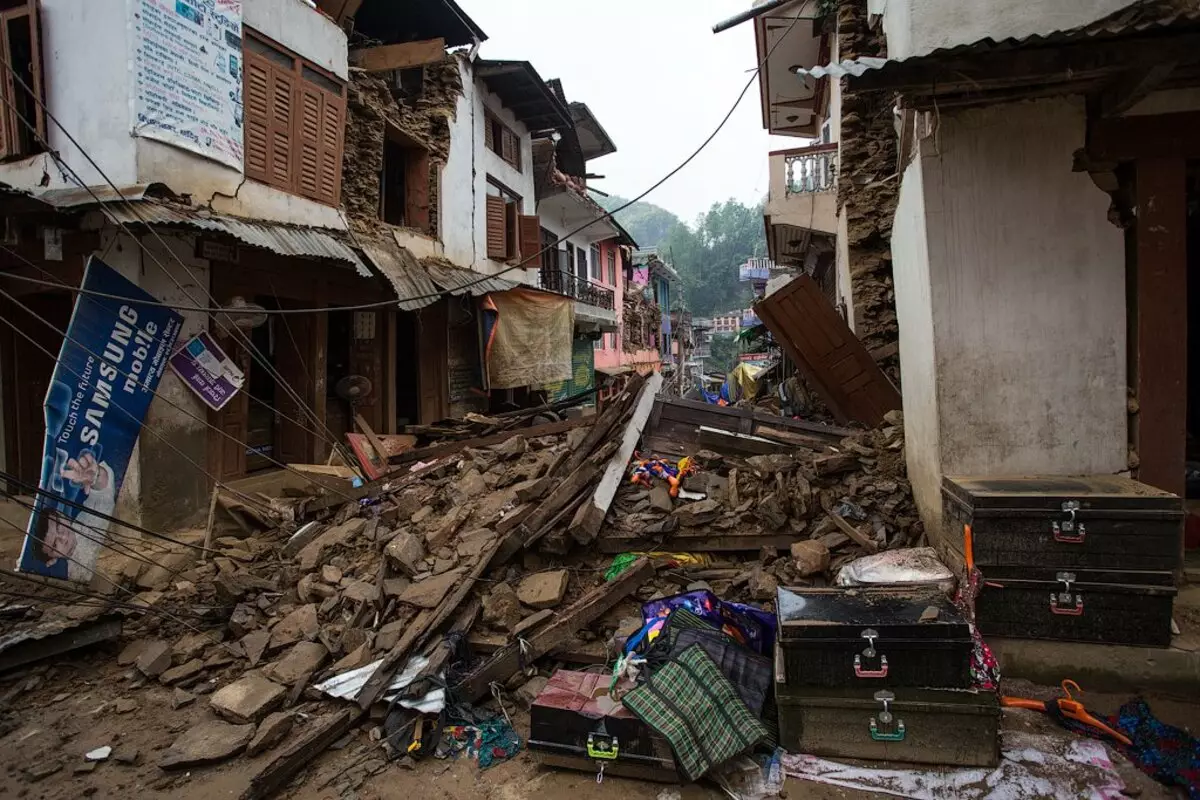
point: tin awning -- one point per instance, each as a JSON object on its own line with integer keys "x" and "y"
{"x": 458, "y": 281}
{"x": 404, "y": 273}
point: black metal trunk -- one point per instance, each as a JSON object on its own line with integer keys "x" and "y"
{"x": 920, "y": 726}
{"x": 1089, "y": 522}
{"x": 871, "y": 638}
{"x": 1113, "y": 607}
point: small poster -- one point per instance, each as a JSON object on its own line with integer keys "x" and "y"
{"x": 212, "y": 375}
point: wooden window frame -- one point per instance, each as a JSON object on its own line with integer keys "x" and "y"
{"x": 302, "y": 153}
{"x": 511, "y": 236}
{"x": 501, "y": 140}
{"x": 612, "y": 267}
{"x": 12, "y": 129}
{"x": 413, "y": 200}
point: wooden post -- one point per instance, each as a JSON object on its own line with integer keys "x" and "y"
{"x": 1161, "y": 329}
{"x": 208, "y": 528}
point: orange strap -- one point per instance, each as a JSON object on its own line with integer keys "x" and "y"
{"x": 968, "y": 547}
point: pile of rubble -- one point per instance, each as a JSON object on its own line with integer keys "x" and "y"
{"x": 481, "y": 542}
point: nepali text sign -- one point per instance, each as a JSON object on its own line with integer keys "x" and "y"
{"x": 187, "y": 75}
{"x": 212, "y": 375}
{"x": 107, "y": 371}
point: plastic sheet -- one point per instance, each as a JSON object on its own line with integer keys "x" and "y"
{"x": 913, "y": 565}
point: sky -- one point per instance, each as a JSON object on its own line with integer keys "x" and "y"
{"x": 659, "y": 81}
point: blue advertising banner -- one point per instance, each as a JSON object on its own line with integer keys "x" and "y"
{"x": 107, "y": 372}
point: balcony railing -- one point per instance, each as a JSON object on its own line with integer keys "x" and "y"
{"x": 585, "y": 291}
{"x": 813, "y": 170}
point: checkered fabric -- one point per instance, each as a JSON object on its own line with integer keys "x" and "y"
{"x": 695, "y": 708}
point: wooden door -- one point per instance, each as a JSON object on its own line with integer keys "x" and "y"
{"x": 366, "y": 346}
{"x": 828, "y": 353}
{"x": 227, "y": 454}
{"x": 294, "y": 352}
{"x": 433, "y": 377}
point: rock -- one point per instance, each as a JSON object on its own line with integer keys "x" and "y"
{"x": 533, "y": 621}
{"x": 834, "y": 540}
{"x": 512, "y": 448}
{"x": 270, "y": 733}
{"x": 930, "y": 614}
{"x": 99, "y": 754}
{"x": 303, "y": 659}
{"x": 835, "y": 463}
{"x": 130, "y": 652}
{"x": 429, "y": 592}
{"x": 810, "y": 556}
{"x": 248, "y": 699}
{"x": 361, "y": 592}
{"x": 127, "y": 755}
{"x": 770, "y": 512}
{"x": 442, "y": 565}
{"x": 531, "y": 689}
{"x": 155, "y": 659}
{"x": 331, "y": 574}
{"x": 660, "y": 498}
{"x": 192, "y": 645}
{"x": 443, "y": 533}
{"x": 207, "y": 743}
{"x": 254, "y": 644}
{"x": 357, "y": 658}
{"x": 181, "y": 673}
{"x": 766, "y": 465}
{"x": 423, "y": 513}
{"x": 299, "y": 624}
{"x": 662, "y": 526}
{"x": 473, "y": 543}
{"x": 544, "y": 589}
{"x": 84, "y": 768}
{"x": 387, "y": 636}
{"x": 407, "y": 550}
{"x": 501, "y": 608}
{"x": 313, "y": 553}
{"x": 763, "y": 585}
{"x": 311, "y": 590}
{"x": 700, "y": 513}
{"x": 243, "y": 619}
{"x": 162, "y": 574}
{"x": 40, "y": 770}
{"x": 394, "y": 587}
{"x": 181, "y": 698}
{"x": 470, "y": 486}
{"x": 126, "y": 705}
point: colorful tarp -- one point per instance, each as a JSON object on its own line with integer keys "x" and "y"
{"x": 528, "y": 338}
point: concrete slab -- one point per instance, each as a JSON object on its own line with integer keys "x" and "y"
{"x": 1099, "y": 667}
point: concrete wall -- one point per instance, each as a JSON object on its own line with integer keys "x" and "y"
{"x": 1006, "y": 264}
{"x": 814, "y": 211}
{"x": 917, "y": 27}
{"x": 303, "y": 30}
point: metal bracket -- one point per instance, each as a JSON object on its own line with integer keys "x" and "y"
{"x": 885, "y": 727}
{"x": 1069, "y": 531}
{"x": 1066, "y": 602}
{"x": 870, "y": 634}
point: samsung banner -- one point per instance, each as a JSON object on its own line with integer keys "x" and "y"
{"x": 187, "y": 75}
{"x": 107, "y": 372}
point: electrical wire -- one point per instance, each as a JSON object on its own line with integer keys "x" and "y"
{"x": 519, "y": 265}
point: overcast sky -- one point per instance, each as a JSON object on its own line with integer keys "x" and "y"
{"x": 659, "y": 81}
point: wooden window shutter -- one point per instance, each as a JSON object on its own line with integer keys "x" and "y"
{"x": 510, "y": 147}
{"x": 489, "y": 139}
{"x": 318, "y": 133}
{"x": 416, "y": 187}
{"x": 332, "y": 132}
{"x": 531, "y": 241}
{"x": 512, "y": 213}
{"x": 269, "y": 123}
{"x": 497, "y": 242}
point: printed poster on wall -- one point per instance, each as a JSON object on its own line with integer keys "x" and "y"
{"x": 107, "y": 372}
{"x": 187, "y": 75}
{"x": 204, "y": 367}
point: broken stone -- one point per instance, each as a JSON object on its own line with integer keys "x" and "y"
{"x": 930, "y": 614}
{"x": 443, "y": 533}
{"x": 181, "y": 673}
{"x": 770, "y": 512}
{"x": 207, "y": 743}
{"x": 299, "y": 624}
{"x": 501, "y": 608}
{"x": 470, "y": 485}
{"x": 162, "y": 574}
{"x": 394, "y": 587}
{"x": 248, "y": 699}
{"x": 531, "y": 689}
{"x": 243, "y": 620}
{"x": 442, "y": 565}
{"x": 84, "y": 768}
{"x": 533, "y": 621}
{"x": 270, "y": 733}
{"x": 303, "y": 659}
{"x": 194, "y": 644}
{"x": 387, "y": 636}
{"x": 313, "y": 553}
{"x": 358, "y": 658}
{"x": 429, "y": 592}
{"x": 331, "y": 574}
{"x": 40, "y": 770}
{"x": 473, "y": 543}
{"x": 126, "y": 705}
{"x": 836, "y": 463}
{"x": 407, "y": 550}
{"x": 544, "y": 589}
{"x": 155, "y": 659}
{"x": 699, "y": 513}
{"x": 181, "y": 698}
{"x": 660, "y": 498}
{"x": 127, "y": 755}
{"x": 361, "y": 591}
{"x": 763, "y": 585}
{"x": 255, "y": 644}
{"x": 810, "y": 557}
{"x": 661, "y": 527}
{"x": 422, "y": 514}
{"x": 515, "y": 447}
{"x": 130, "y": 653}
{"x": 99, "y": 754}
{"x": 766, "y": 465}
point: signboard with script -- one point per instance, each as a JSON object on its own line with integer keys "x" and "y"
{"x": 107, "y": 371}
{"x": 204, "y": 367}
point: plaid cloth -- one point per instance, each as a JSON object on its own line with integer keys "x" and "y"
{"x": 695, "y": 708}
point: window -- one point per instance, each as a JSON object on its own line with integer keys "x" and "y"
{"x": 501, "y": 140}
{"x": 612, "y": 267}
{"x": 511, "y": 235}
{"x": 404, "y": 184}
{"x": 295, "y": 119}
{"x": 594, "y": 272}
{"x": 598, "y": 342}
{"x": 20, "y": 110}
{"x": 551, "y": 255}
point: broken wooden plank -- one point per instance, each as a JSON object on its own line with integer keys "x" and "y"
{"x": 590, "y": 518}
{"x": 835, "y": 463}
{"x": 608, "y": 419}
{"x": 297, "y": 755}
{"x": 399, "y": 56}
{"x": 687, "y": 541}
{"x": 697, "y": 412}
{"x": 538, "y": 523}
{"x": 347, "y": 473}
{"x": 854, "y": 533}
{"x": 450, "y": 448}
{"x": 444, "y": 649}
{"x": 739, "y": 443}
{"x": 579, "y": 614}
{"x": 574, "y": 652}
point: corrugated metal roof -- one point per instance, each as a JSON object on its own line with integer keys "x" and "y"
{"x": 286, "y": 240}
{"x": 1147, "y": 16}
{"x": 76, "y": 196}
{"x": 404, "y": 272}
{"x": 464, "y": 281}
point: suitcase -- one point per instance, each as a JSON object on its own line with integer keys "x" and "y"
{"x": 1089, "y": 522}
{"x": 574, "y": 724}
{"x": 917, "y": 726}
{"x": 1112, "y": 607}
{"x": 872, "y": 637}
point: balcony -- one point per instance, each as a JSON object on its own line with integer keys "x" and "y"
{"x": 811, "y": 171}
{"x": 583, "y": 290}
{"x": 802, "y": 202}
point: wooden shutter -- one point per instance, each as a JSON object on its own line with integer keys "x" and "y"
{"x": 489, "y": 138}
{"x": 269, "y": 123}
{"x": 416, "y": 190}
{"x": 497, "y": 242}
{"x": 512, "y": 213}
{"x": 530, "y": 232}
{"x": 12, "y": 129}
{"x": 510, "y": 147}
{"x": 318, "y": 133}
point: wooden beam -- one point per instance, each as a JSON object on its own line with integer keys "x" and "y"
{"x": 399, "y": 56}
{"x": 583, "y": 612}
{"x": 590, "y": 517}
{"x": 1167, "y": 136}
{"x": 686, "y": 541}
{"x": 297, "y": 755}
{"x": 1161, "y": 328}
{"x": 450, "y": 448}
{"x": 1131, "y": 87}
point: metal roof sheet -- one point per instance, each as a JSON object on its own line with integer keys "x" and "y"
{"x": 286, "y": 240}
{"x": 404, "y": 272}
{"x": 464, "y": 281}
